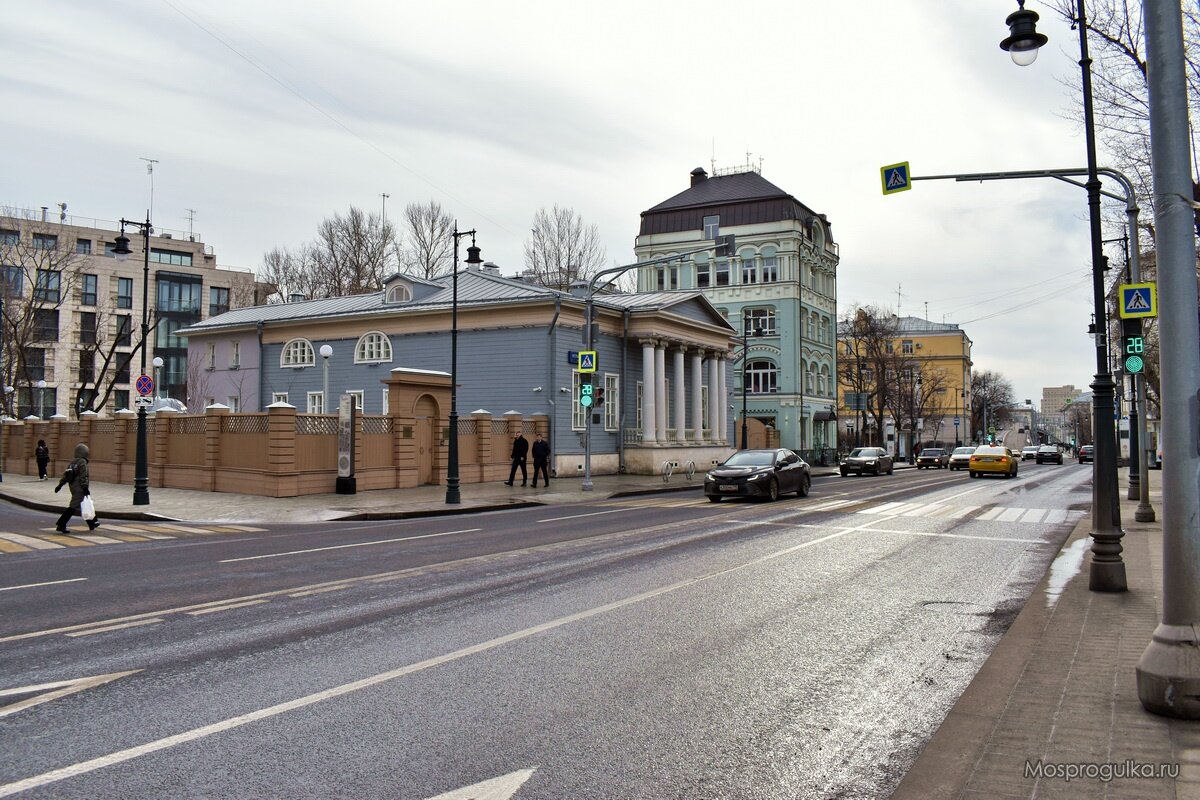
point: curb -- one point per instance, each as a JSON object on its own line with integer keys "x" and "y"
{"x": 145, "y": 516}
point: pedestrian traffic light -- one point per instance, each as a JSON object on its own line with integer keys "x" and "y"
{"x": 585, "y": 390}
{"x": 598, "y": 397}
{"x": 1133, "y": 346}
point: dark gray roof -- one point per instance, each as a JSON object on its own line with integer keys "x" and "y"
{"x": 474, "y": 288}
{"x": 737, "y": 188}
{"x": 911, "y": 325}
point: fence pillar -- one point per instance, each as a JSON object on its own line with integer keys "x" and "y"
{"x": 484, "y": 444}
{"x": 124, "y": 442}
{"x": 404, "y": 451}
{"x": 282, "y": 479}
{"x": 212, "y": 444}
{"x": 160, "y": 445}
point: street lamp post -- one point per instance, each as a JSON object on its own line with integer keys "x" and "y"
{"x": 1107, "y": 568}
{"x": 326, "y": 352}
{"x": 453, "y": 496}
{"x": 41, "y": 409}
{"x": 158, "y": 389}
{"x": 141, "y": 471}
{"x": 746, "y": 376}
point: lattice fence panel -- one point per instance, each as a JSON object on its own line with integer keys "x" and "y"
{"x": 376, "y": 425}
{"x": 245, "y": 424}
{"x": 317, "y": 425}
{"x": 187, "y": 425}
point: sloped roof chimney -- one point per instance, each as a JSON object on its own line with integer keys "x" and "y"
{"x": 698, "y": 175}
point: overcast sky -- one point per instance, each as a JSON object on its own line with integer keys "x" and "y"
{"x": 267, "y": 116}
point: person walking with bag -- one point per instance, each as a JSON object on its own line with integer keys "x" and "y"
{"x": 42, "y": 454}
{"x": 76, "y": 477}
{"x": 520, "y": 450}
{"x": 541, "y": 460}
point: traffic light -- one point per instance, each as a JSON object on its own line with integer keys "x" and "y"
{"x": 1133, "y": 346}
{"x": 726, "y": 246}
{"x": 598, "y": 398}
{"x": 585, "y": 390}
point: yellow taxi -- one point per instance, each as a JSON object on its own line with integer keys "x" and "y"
{"x": 993, "y": 460}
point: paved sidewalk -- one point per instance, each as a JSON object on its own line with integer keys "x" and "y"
{"x": 1060, "y": 688}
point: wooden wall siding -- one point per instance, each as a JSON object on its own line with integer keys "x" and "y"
{"x": 278, "y": 453}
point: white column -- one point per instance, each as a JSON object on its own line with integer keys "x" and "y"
{"x": 679, "y": 387}
{"x": 715, "y": 401}
{"x": 660, "y": 390}
{"x": 697, "y": 401}
{"x": 648, "y": 411}
{"x": 723, "y": 371}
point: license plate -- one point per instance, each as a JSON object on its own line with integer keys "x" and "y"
{"x": 726, "y": 487}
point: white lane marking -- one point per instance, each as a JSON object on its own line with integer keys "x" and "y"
{"x": 594, "y": 514}
{"x": 322, "y": 590}
{"x": 181, "y": 528}
{"x": 46, "y": 583}
{"x": 1055, "y": 516}
{"x": 243, "y": 528}
{"x": 96, "y": 538}
{"x": 501, "y": 788}
{"x": 883, "y": 509}
{"x": 136, "y": 531}
{"x": 1010, "y": 515}
{"x": 960, "y": 536}
{"x": 960, "y": 512}
{"x": 122, "y": 626}
{"x": 989, "y": 515}
{"x": 200, "y": 611}
{"x": 1033, "y": 515}
{"x": 53, "y": 691}
{"x": 128, "y": 754}
{"x": 344, "y": 546}
{"x": 29, "y": 541}
{"x": 832, "y": 504}
{"x": 922, "y": 511}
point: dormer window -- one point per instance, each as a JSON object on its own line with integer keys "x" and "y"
{"x": 400, "y": 293}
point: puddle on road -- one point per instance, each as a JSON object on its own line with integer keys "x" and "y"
{"x": 1065, "y": 567}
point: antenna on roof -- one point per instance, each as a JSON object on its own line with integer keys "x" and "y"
{"x": 150, "y": 162}
{"x": 712, "y": 162}
{"x": 191, "y": 218}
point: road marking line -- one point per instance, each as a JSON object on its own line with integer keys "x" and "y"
{"x": 960, "y": 512}
{"x": 1011, "y": 515}
{"x": 55, "y": 690}
{"x": 1033, "y": 515}
{"x": 989, "y": 515}
{"x": 12, "y": 547}
{"x": 595, "y": 513}
{"x": 215, "y": 609}
{"x": 922, "y": 511}
{"x": 244, "y": 528}
{"x": 45, "y": 583}
{"x": 69, "y": 541}
{"x": 1055, "y": 516}
{"x": 202, "y": 732}
{"x": 122, "y": 626}
{"x": 29, "y": 541}
{"x": 181, "y": 528}
{"x": 344, "y": 546}
{"x": 137, "y": 531}
{"x": 883, "y": 509}
{"x": 322, "y": 590}
{"x": 96, "y": 538}
{"x": 128, "y": 537}
{"x": 960, "y": 536}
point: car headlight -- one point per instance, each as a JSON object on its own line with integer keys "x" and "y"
{"x": 869, "y": 463}
{"x": 757, "y": 477}
{"x": 708, "y": 476}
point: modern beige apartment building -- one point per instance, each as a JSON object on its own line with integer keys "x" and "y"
{"x": 1055, "y": 399}
{"x": 72, "y": 310}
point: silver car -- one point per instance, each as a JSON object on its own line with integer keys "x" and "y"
{"x": 961, "y": 457}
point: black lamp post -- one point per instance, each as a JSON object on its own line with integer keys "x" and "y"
{"x": 746, "y": 378}
{"x": 1107, "y": 569}
{"x": 453, "y": 497}
{"x": 141, "y": 471}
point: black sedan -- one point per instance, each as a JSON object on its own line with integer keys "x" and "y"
{"x": 758, "y": 473}
{"x": 1087, "y": 453}
{"x": 933, "y": 458}
{"x": 1049, "y": 454}
{"x": 866, "y": 460}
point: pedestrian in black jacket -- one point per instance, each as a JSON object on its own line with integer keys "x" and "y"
{"x": 42, "y": 454}
{"x": 541, "y": 459}
{"x": 520, "y": 450}
{"x": 76, "y": 477}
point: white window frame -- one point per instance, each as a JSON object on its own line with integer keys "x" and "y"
{"x": 711, "y": 225}
{"x": 399, "y": 293}
{"x": 373, "y": 347}
{"x": 279, "y": 397}
{"x": 315, "y": 403}
{"x": 357, "y": 394}
{"x": 234, "y": 402}
{"x": 749, "y": 271}
{"x": 211, "y": 359}
{"x": 770, "y": 268}
{"x": 612, "y": 401}
{"x": 578, "y": 415}
{"x": 235, "y": 355}
{"x": 384, "y": 406}
{"x": 297, "y": 354}
{"x": 762, "y": 381}
{"x": 761, "y": 317}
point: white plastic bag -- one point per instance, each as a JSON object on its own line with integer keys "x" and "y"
{"x": 87, "y": 508}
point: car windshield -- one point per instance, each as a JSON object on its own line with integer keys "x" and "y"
{"x": 964, "y": 451}
{"x": 864, "y": 452}
{"x": 751, "y": 458}
{"x": 932, "y": 451}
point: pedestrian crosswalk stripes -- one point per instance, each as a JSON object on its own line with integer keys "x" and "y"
{"x": 49, "y": 539}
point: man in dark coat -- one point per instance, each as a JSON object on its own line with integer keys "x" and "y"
{"x": 541, "y": 459}
{"x": 520, "y": 450}
{"x": 76, "y": 477}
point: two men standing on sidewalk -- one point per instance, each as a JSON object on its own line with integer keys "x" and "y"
{"x": 541, "y": 460}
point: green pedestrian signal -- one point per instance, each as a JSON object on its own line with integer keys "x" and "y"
{"x": 1133, "y": 346}
{"x": 585, "y": 394}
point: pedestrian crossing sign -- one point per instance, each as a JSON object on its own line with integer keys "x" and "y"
{"x": 895, "y": 178}
{"x": 587, "y": 360}
{"x": 1138, "y": 300}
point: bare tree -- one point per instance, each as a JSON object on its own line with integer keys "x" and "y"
{"x": 562, "y": 249}
{"x": 991, "y": 397}
{"x": 39, "y": 270}
{"x": 352, "y": 254}
{"x": 867, "y": 334}
{"x": 429, "y": 242}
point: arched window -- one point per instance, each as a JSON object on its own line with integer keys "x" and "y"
{"x": 770, "y": 265}
{"x": 762, "y": 376}
{"x": 818, "y": 234}
{"x": 399, "y": 294}
{"x": 808, "y": 378}
{"x": 373, "y": 348}
{"x": 825, "y": 385}
{"x": 297, "y": 353}
{"x": 749, "y": 267}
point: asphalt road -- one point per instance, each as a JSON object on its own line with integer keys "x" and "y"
{"x": 648, "y": 647}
